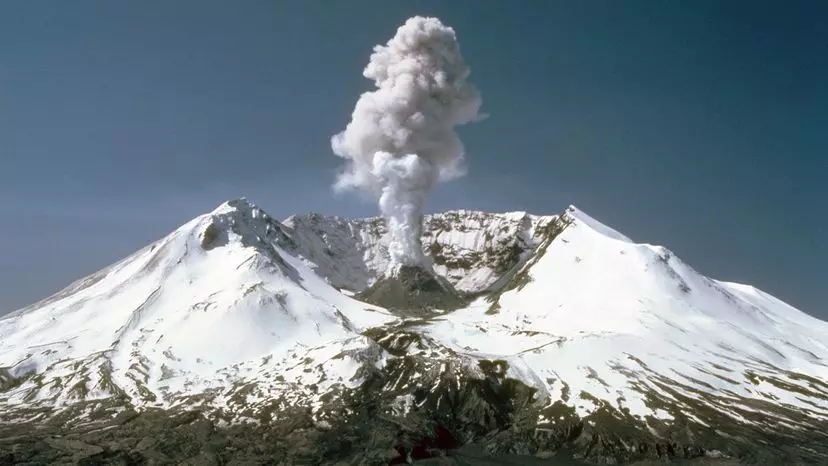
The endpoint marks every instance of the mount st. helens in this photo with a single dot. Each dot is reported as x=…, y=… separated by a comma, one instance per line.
x=540, y=335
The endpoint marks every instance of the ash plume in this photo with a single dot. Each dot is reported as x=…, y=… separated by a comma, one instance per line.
x=400, y=141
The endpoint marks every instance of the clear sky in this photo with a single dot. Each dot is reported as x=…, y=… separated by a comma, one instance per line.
x=699, y=125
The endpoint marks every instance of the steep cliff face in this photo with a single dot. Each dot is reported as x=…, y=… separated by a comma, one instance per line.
x=524, y=335
x=470, y=249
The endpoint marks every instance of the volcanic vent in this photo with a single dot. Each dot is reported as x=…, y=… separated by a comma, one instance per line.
x=412, y=288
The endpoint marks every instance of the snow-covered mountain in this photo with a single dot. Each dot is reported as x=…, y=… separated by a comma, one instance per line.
x=572, y=336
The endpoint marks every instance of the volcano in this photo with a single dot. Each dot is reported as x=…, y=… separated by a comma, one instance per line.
x=412, y=289
x=527, y=336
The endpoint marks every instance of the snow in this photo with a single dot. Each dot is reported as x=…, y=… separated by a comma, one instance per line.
x=595, y=225
x=178, y=309
x=595, y=298
x=599, y=315
x=352, y=254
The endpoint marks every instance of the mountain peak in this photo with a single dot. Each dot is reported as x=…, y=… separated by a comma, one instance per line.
x=579, y=216
x=238, y=204
x=241, y=220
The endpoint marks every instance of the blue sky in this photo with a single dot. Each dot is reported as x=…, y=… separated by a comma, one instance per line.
x=699, y=125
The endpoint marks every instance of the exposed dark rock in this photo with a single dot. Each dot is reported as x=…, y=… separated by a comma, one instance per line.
x=411, y=289
x=210, y=237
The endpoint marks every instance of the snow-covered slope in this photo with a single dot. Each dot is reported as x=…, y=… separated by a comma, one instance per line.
x=238, y=310
x=217, y=299
x=608, y=321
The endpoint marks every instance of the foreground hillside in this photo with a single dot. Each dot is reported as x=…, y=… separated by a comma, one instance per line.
x=238, y=337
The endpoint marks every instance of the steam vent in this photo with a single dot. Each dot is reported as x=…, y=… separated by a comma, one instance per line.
x=412, y=288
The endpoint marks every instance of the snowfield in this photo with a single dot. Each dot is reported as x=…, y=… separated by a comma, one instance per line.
x=601, y=314
x=236, y=299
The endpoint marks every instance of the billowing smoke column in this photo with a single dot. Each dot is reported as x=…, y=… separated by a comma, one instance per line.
x=401, y=139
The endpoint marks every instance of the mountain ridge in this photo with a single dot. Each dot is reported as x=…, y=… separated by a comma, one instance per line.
x=248, y=319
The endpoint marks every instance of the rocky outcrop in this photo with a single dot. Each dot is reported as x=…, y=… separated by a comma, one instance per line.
x=411, y=290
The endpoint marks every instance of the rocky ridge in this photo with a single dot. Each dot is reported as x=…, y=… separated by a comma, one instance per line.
x=244, y=339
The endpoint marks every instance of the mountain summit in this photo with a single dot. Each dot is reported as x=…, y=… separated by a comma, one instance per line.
x=526, y=335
